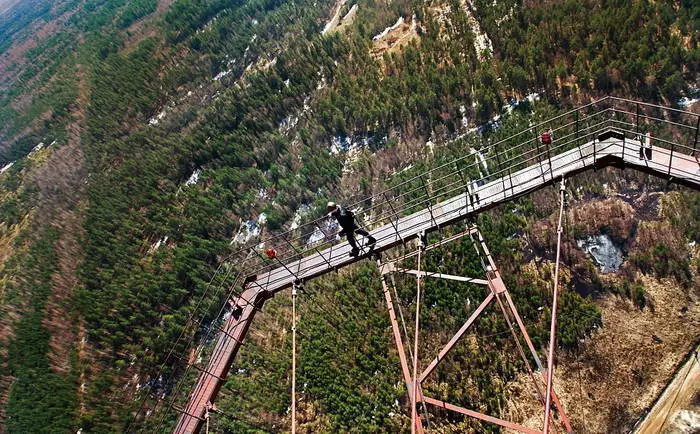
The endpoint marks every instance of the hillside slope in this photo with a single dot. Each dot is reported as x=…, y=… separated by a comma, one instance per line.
x=142, y=141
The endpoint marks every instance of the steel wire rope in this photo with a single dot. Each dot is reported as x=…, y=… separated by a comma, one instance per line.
x=329, y=315
x=398, y=303
x=484, y=199
x=567, y=246
x=403, y=324
x=440, y=270
x=423, y=200
x=414, y=385
x=553, y=331
x=326, y=319
x=445, y=190
x=176, y=390
x=214, y=357
x=500, y=141
x=217, y=353
x=509, y=323
x=232, y=417
x=294, y=358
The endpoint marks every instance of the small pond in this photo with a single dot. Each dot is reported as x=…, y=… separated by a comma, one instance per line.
x=605, y=253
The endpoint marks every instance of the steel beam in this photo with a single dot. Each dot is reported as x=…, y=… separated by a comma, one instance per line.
x=480, y=416
x=210, y=383
x=442, y=276
x=456, y=337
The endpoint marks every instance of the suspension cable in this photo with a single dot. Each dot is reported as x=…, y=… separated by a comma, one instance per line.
x=414, y=412
x=553, y=326
x=184, y=330
x=189, y=341
x=294, y=357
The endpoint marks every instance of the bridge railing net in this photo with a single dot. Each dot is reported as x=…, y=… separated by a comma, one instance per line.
x=671, y=129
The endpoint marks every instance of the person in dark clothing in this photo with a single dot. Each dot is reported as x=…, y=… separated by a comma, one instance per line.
x=346, y=220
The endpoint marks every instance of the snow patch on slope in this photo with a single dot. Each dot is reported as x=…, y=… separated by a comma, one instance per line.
x=388, y=29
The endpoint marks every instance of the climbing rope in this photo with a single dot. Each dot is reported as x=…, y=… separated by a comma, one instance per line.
x=553, y=326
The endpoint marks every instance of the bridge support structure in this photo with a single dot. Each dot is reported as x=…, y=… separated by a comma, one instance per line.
x=607, y=132
x=497, y=292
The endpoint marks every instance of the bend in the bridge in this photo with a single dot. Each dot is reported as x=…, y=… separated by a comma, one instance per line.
x=610, y=147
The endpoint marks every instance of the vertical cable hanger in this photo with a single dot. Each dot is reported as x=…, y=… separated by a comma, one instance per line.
x=295, y=287
x=414, y=386
x=553, y=325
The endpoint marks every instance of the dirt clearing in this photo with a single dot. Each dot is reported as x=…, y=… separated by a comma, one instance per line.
x=617, y=373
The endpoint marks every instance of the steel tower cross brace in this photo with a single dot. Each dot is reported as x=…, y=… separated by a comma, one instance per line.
x=498, y=292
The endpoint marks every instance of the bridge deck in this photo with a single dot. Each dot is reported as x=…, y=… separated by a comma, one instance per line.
x=595, y=153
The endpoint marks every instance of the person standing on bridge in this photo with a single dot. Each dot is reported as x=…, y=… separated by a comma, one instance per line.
x=346, y=220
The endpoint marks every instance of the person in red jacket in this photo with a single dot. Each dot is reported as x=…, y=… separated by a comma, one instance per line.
x=346, y=220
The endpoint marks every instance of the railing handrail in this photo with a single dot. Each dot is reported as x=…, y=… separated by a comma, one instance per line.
x=383, y=197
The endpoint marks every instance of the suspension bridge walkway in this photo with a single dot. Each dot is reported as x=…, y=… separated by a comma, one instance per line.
x=609, y=132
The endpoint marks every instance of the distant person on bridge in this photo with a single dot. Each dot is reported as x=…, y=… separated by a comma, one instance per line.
x=346, y=220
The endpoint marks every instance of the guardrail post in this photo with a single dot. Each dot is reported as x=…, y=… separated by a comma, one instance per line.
x=611, y=124
x=395, y=215
x=468, y=196
x=427, y=200
x=695, y=142
x=503, y=178
x=595, y=139
x=549, y=157
x=537, y=144
x=670, y=159
x=578, y=137
x=539, y=156
x=636, y=122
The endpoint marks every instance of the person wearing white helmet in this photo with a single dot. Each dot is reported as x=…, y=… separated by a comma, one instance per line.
x=346, y=220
